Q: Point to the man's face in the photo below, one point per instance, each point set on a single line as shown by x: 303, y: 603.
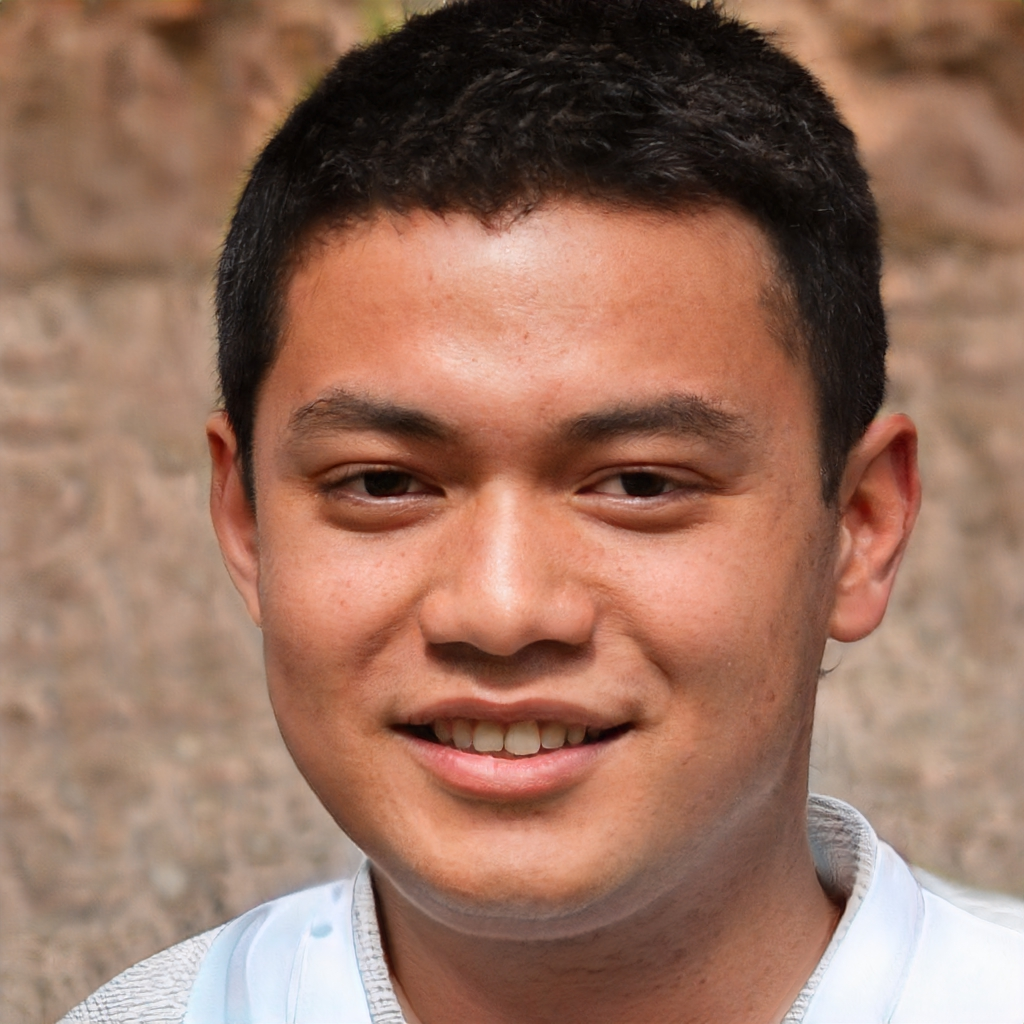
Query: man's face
x: 518, y: 484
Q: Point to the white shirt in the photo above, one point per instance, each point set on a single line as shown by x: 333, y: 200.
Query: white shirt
x: 900, y: 954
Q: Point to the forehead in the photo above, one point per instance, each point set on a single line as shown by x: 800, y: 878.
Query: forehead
x: 572, y: 304
x: 587, y: 243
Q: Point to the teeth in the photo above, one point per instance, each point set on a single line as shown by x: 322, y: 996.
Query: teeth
x: 488, y: 737
x: 462, y: 733
x: 522, y: 739
x: 552, y: 735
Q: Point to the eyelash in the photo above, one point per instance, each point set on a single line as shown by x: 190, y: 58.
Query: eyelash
x: 667, y: 484
x: 335, y: 486
x: 639, y: 479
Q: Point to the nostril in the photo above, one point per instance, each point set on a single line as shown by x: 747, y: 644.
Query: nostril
x: 504, y: 624
x: 541, y: 658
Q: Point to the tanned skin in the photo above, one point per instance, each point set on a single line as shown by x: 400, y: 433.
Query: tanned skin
x: 561, y: 468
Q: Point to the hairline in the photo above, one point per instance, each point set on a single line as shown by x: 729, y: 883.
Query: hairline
x: 783, y: 319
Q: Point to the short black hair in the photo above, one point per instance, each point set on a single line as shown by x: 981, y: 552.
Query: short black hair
x: 494, y: 106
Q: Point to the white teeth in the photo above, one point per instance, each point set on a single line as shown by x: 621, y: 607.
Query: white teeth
x: 488, y: 737
x: 462, y: 733
x: 522, y: 739
x: 552, y: 735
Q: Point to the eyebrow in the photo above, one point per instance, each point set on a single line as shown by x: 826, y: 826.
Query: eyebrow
x: 345, y: 410
x: 679, y: 414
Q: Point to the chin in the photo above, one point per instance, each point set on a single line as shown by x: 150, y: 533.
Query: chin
x: 517, y: 899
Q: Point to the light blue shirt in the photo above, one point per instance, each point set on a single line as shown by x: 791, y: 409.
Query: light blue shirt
x: 900, y: 954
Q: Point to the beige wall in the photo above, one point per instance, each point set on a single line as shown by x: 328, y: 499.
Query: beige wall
x: 145, y: 793
x: 922, y: 725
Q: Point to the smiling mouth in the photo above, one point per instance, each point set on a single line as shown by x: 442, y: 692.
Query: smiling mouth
x: 514, y: 740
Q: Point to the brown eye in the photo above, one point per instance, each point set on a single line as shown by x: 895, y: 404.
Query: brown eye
x: 643, y: 485
x: 637, y: 483
x: 381, y: 482
x: 387, y: 483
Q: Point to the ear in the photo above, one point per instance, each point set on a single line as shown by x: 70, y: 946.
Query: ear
x: 878, y: 504
x: 234, y: 519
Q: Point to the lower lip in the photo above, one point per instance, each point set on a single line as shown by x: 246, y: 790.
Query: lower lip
x: 509, y: 779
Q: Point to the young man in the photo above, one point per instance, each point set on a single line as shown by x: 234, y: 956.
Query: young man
x: 551, y: 353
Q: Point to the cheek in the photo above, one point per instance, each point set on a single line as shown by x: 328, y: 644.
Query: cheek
x: 330, y: 605
x: 733, y: 617
x: 738, y: 655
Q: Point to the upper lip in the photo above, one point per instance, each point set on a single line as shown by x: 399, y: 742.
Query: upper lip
x: 535, y: 710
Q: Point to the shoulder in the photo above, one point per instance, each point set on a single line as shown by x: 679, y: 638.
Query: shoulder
x: 154, y: 991
x: 964, y: 968
x: 902, y: 953
x: 292, y: 958
x: 996, y: 907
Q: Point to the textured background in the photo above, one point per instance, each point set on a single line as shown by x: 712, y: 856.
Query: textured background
x: 145, y: 793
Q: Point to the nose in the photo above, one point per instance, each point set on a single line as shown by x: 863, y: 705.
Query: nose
x: 505, y: 579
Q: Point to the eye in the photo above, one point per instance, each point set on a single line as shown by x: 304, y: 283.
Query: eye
x: 385, y: 482
x: 636, y: 484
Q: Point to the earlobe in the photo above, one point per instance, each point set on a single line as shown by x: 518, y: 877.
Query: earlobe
x: 879, y: 501
x: 234, y: 519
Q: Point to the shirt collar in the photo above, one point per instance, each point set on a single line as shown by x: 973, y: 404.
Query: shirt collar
x: 874, y: 939
x: 861, y: 974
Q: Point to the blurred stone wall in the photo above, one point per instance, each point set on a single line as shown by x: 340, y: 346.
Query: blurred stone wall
x: 145, y: 793
x: 922, y: 725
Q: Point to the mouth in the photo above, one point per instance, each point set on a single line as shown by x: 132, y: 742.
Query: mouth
x: 513, y: 740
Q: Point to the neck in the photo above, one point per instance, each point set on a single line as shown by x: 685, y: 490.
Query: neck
x: 735, y: 941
